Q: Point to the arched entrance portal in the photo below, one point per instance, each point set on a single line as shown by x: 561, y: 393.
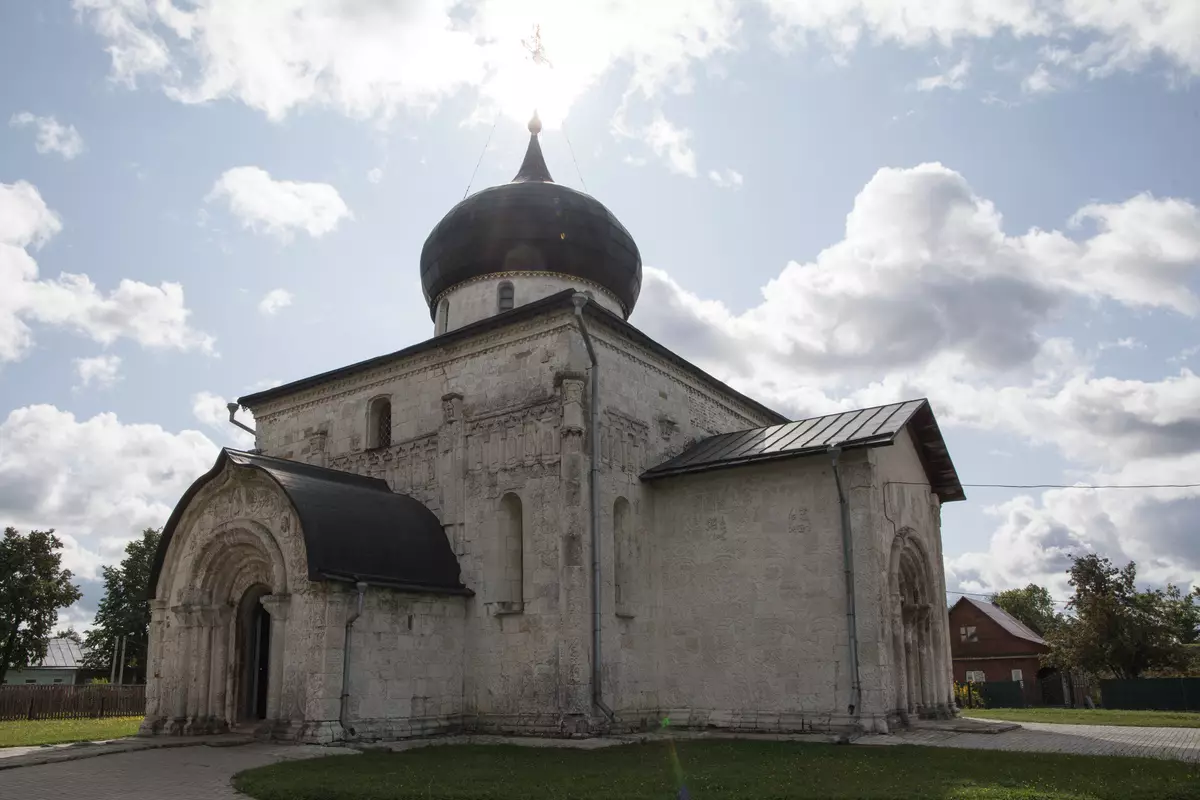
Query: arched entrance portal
x: 253, y: 655
x: 919, y: 669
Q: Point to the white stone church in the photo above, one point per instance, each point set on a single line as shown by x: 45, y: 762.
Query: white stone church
x: 541, y: 521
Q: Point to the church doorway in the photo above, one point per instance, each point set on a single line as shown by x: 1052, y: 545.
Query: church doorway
x: 254, y: 646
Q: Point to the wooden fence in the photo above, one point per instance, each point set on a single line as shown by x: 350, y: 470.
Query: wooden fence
x: 71, y: 702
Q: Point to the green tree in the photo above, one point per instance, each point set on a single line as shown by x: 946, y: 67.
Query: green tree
x: 69, y: 633
x: 125, y: 610
x: 1115, y: 629
x: 33, y: 587
x: 1031, y: 605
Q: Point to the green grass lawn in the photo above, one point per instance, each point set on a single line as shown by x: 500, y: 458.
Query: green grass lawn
x: 1092, y: 716
x: 720, y: 770
x: 56, y: 731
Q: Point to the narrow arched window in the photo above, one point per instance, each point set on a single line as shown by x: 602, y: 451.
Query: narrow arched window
x: 443, y: 316
x: 379, y: 423
x: 511, y: 565
x: 505, y: 296
x: 623, y: 558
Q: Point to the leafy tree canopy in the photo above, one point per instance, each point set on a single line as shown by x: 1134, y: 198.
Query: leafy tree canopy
x: 1116, y: 629
x: 125, y: 610
x: 33, y: 587
x: 1031, y: 605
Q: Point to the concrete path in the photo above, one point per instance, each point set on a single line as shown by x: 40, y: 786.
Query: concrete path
x: 180, y: 773
x: 1182, y: 744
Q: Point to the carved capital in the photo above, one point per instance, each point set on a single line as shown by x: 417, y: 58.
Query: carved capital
x: 276, y: 605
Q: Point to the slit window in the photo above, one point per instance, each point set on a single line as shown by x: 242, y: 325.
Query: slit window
x: 505, y: 297
x: 379, y: 433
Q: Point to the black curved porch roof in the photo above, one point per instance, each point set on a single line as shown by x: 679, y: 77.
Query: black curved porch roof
x: 355, y: 528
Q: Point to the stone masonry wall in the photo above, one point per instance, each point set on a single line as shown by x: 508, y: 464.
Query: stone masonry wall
x: 752, y: 629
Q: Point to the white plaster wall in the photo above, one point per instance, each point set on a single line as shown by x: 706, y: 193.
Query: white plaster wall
x: 479, y: 298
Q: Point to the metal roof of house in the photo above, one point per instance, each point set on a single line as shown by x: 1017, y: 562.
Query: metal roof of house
x: 1004, y: 620
x: 61, y: 653
x: 355, y: 528
x: 868, y: 427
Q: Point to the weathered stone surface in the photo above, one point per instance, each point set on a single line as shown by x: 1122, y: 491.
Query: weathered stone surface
x: 732, y: 609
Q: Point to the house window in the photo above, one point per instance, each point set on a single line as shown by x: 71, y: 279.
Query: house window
x: 58, y: 680
x: 505, y: 297
x: 379, y: 431
x: 30, y: 680
x: 975, y: 676
x: 1018, y: 676
x: 967, y: 634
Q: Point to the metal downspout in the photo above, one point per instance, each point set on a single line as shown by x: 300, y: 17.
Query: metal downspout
x: 347, y: 731
x: 848, y: 566
x: 580, y: 300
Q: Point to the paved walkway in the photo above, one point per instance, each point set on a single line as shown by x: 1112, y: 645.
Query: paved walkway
x: 1042, y: 737
x: 181, y: 773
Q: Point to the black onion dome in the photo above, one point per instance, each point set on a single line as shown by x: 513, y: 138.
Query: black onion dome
x: 531, y: 225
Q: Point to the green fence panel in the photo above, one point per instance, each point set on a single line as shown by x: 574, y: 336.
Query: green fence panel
x: 1157, y: 694
x: 1002, y: 694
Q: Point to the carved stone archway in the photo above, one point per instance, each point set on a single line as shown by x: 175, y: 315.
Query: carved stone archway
x: 919, y: 672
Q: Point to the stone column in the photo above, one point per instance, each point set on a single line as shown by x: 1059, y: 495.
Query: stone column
x: 218, y: 670
x: 181, y: 667
x: 574, y: 602
x: 154, y: 681
x: 911, y: 664
x: 928, y: 663
x: 198, y: 710
x: 899, y: 667
x: 277, y: 606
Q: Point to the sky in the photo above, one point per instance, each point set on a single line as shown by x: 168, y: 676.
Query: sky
x: 839, y: 203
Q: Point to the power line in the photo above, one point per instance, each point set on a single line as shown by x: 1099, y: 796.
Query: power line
x: 572, y: 149
x: 988, y: 597
x: 481, y: 154
x: 1063, y: 485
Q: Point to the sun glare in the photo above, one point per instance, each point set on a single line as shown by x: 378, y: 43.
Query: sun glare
x: 530, y: 76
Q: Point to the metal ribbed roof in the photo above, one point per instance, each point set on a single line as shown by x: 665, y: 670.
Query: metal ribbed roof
x: 62, y: 653
x: 867, y: 427
x: 354, y: 527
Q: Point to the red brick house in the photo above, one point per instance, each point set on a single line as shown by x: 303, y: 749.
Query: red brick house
x: 989, y: 644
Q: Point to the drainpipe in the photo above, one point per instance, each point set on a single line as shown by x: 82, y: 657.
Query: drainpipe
x: 361, y: 586
x: 580, y: 300
x: 233, y: 409
x: 848, y: 566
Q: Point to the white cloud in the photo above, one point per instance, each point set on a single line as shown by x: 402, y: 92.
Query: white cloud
x: 1112, y: 34
x: 103, y: 371
x: 97, y: 481
x: 153, y: 316
x: 726, y: 179
x: 672, y: 144
x: 1041, y: 81
x: 52, y: 137
x: 368, y: 59
x: 925, y: 269
x: 280, y: 208
x: 375, y: 175
x: 213, y: 411
x: 954, y: 77
x: 273, y: 301
x: 927, y: 295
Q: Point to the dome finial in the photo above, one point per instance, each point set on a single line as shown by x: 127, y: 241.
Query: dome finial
x: 534, y: 168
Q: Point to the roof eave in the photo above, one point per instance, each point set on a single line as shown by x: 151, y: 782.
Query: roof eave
x: 652, y: 474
